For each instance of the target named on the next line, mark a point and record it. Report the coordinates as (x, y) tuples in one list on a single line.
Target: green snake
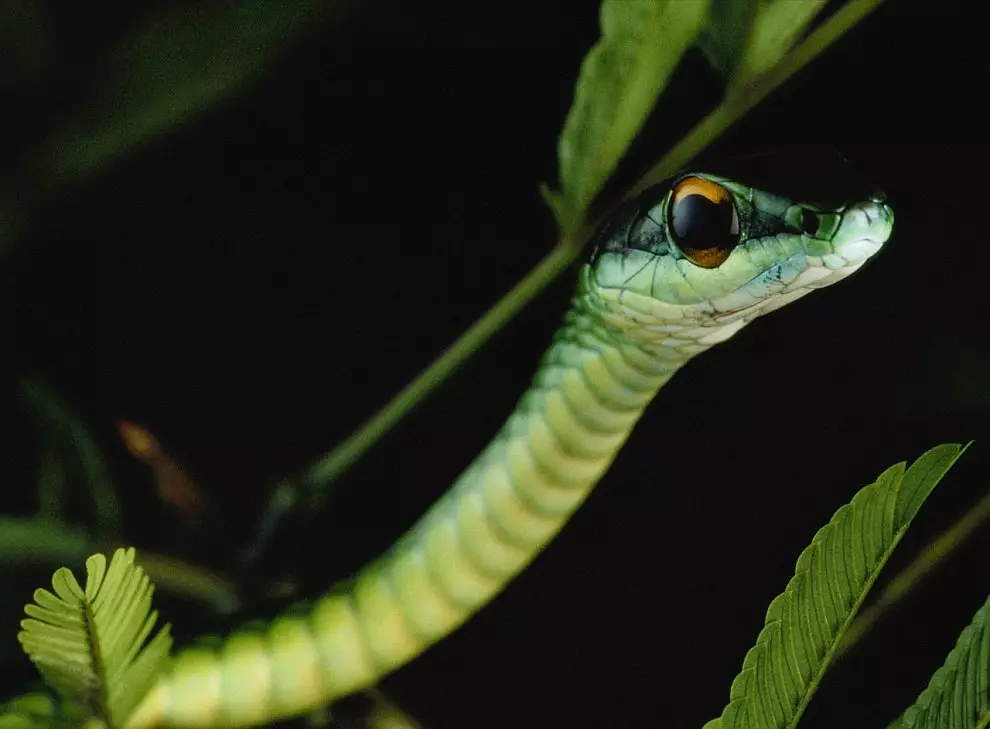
[(678, 269)]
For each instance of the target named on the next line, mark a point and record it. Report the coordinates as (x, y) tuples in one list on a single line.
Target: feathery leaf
[(806, 622), (89, 644)]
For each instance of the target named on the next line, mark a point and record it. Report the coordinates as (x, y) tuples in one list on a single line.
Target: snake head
[(706, 253)]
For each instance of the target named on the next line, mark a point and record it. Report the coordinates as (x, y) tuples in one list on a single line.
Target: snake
[(672, 272)]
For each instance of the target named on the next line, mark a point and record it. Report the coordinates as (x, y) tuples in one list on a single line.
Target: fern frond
[(87, 644), (805, 624), (958, 695)]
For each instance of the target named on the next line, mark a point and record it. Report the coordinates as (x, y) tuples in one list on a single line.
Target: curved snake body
[(679, 269)]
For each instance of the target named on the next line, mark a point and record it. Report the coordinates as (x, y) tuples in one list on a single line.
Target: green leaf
[(30, 711), (776, 28), (69, 455), (24, 540), (958, 695), (87, 643), (745, 39), (724, 37), (621, 77), (175, 68), (806, 622)]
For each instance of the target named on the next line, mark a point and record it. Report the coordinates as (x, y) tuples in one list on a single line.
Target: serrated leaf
[(88, 644), (642, 42), (921, 479), (805, 623), (958, 695)]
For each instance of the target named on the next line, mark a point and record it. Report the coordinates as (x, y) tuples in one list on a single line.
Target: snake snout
[(865, 227), (876, 211)]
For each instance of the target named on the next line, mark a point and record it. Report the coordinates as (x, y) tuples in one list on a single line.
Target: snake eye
[(704, 221)]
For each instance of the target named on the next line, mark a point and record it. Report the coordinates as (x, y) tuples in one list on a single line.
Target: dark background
[(257, 280)]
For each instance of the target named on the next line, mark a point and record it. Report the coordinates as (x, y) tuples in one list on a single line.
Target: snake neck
[(625, 355), (591, 387), (604, 366)]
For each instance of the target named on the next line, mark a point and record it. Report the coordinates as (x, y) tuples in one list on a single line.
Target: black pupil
[(700, 224), (809, 222)]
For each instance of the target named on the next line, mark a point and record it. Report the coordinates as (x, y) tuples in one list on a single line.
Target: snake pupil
[(704, 221)]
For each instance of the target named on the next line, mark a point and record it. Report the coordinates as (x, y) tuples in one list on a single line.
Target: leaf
[(777, 26), (52, 478), (87, 643), (724, 37), (36, 540), (744, 39), (30, 711), (179, 65), (958, 695), (69, 454), (806, 622), (621, 77)]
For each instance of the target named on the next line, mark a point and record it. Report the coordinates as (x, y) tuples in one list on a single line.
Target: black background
[(254, 283)]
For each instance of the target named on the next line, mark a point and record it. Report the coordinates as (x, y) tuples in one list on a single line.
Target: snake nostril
[(878, 196)]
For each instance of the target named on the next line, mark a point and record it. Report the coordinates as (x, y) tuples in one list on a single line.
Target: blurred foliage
[(950, 377), (68, 453), (42, 540), (164, 67), (88, 84), (179, 65)]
